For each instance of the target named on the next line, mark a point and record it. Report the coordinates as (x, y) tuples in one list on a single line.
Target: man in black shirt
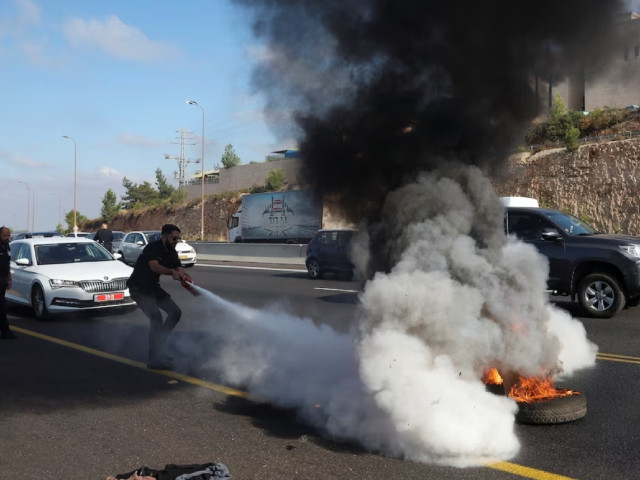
[(104, 236), (158, 258), (5, 282)]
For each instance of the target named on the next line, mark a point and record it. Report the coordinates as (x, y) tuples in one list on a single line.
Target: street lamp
[(192, 102), (28, 202), (75, 176), (59, 207)]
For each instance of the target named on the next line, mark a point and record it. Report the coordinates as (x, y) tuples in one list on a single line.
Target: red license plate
[(108, 297)]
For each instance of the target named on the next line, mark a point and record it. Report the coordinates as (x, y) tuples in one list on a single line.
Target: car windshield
[(570, 224), (154, 236), (118, 235), (58, 253)]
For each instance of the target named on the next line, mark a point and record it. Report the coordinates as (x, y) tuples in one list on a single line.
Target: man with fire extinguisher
[(158, 258)]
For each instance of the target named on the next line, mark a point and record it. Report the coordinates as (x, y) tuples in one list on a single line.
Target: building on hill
[(247, 176), (617, 86)]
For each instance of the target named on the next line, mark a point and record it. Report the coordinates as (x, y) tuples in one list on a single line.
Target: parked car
[(600, 270), (117, 240), (133, 243), (62, 274), (186, 253), (46, 234), (328, 252)]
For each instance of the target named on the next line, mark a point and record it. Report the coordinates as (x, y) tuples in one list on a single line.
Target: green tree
[(179, 195), (129, 197), (571, 139), (164, 189), (229, 157), (275, 179), (80, 219), (138, 195), (110, 206), (146, 195)]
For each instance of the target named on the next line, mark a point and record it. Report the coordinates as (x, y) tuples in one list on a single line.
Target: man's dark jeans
[(151, 302), (4, 325)]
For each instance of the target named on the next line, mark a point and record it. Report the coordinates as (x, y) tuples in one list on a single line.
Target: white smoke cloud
[(407, 380), (116, 39)]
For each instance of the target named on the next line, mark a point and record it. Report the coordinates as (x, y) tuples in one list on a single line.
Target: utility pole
[(181, 174)]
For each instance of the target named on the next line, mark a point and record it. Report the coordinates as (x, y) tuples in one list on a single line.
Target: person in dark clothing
[(158, 258), (104, 236), (5, 282)]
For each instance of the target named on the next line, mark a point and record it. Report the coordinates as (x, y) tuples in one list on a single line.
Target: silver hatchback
[(134, 242)]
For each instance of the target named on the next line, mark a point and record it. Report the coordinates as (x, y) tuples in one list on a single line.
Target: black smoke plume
[(383, 89), (402, 108)]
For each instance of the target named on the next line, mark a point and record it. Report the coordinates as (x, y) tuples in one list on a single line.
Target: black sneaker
[(8, 335)]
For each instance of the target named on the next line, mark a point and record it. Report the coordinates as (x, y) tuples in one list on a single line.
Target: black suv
[(602, 270), (328, 251)]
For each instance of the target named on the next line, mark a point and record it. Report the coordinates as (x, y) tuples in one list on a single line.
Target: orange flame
[(492, 377), (529, 389)]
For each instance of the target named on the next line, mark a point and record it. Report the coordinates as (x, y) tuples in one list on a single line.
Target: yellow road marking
[(526, 471), (508, 467), (612, 357), (127, 361)]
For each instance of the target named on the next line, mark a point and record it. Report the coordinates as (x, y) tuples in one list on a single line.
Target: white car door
[(22, 273)]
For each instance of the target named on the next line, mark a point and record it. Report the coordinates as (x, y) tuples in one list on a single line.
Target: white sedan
[(63, 274), (186, 253), (134, 242)]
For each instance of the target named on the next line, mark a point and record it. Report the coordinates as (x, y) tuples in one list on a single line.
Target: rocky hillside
[(217, 211), (599, 183)]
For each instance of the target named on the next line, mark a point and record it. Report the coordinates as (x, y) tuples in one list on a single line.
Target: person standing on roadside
[(104, 236), (5, 282), (158, 258)]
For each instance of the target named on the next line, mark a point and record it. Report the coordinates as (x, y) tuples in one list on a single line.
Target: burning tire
[(555, 410)]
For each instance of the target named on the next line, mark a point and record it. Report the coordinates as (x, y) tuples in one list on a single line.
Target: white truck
[(291, 216)]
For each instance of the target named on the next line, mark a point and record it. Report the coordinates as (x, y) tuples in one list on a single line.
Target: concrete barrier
[(251, 252)]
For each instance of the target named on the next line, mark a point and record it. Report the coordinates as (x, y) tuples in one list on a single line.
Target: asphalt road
[(77, 401)]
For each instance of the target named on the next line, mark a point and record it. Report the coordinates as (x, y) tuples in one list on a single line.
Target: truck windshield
[(570, 224)]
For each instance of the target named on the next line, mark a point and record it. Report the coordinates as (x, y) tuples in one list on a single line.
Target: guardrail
[(585, 140), (252, 252)]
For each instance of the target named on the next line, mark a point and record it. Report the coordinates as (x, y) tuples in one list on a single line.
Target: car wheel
[(600, 295), (313, 267), (39, 303)]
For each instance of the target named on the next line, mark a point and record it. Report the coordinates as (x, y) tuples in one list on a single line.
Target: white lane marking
[(336, 289), (252, 268)]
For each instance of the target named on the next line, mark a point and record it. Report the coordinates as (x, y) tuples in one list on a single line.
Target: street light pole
[(59, 207), (75, 176), (192, 102), (28, 202)]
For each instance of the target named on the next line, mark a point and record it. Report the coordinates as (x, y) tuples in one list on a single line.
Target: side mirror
[(140, 242), (23, 262), (117, 256), (551, 234)]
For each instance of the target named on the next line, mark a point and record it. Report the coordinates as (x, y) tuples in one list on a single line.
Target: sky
[(115, 77)]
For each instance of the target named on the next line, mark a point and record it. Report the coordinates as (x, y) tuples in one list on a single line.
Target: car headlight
[(633, 250), (57, 283)]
